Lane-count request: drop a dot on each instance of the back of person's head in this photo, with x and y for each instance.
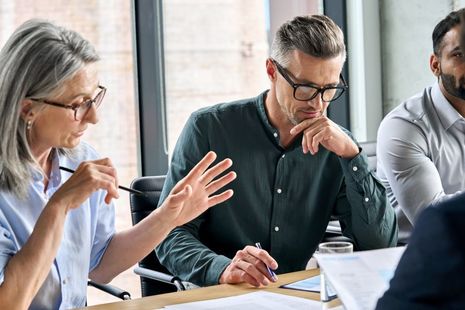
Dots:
(443, 27)
(315, 35)
(35, 62)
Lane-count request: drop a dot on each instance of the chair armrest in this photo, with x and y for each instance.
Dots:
(110, 289)
(334, 233)
(338, 239)
(334, 227)
(160, 276)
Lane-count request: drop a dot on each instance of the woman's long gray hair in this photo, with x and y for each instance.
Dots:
(34, 63)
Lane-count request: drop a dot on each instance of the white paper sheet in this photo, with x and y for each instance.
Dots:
(258, 301)
(360, 278)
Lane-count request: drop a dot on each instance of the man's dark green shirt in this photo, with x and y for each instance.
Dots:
(283, 198)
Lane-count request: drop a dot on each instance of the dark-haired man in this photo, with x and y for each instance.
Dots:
(421, 149)
(296, 168)
(430, 273)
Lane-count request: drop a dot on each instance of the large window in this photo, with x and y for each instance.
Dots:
(108, 27)
(215, 51)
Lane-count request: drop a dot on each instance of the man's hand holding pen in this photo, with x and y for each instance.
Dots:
(250, 265)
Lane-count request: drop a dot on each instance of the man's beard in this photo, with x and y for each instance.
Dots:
(291, 118)
(452, 87)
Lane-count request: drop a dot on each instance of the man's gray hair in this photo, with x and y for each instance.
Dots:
(34, 63)
(315, 35)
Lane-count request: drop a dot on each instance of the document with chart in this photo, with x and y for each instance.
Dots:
(360, 278)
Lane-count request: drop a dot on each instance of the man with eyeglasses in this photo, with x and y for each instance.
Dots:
(296, 168)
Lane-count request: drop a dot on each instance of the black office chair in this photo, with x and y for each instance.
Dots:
(154, 277)
(333, 231)
(110, 289)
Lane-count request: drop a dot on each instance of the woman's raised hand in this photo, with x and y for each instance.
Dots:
(193, 195)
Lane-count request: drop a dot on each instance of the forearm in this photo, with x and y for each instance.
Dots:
(373, 223)
(186, 257)
(128, 247)
(27, 270)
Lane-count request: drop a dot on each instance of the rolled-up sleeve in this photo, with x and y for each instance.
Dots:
(7, 249)
(104, 232)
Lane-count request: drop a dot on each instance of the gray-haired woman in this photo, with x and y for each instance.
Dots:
(56, 228)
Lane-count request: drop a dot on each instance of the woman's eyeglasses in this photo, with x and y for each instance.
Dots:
(80, 109)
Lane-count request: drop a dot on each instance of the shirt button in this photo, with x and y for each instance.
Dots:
(355, 168)
(276, 228)
(284, 155)
(64, 281)
(367, 199)
(279, 191)
(275, 134)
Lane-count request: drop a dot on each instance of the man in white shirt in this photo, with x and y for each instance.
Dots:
(421, 143)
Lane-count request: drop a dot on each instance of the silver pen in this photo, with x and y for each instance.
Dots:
(271, 272)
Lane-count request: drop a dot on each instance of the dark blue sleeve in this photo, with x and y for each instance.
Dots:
(430, 274)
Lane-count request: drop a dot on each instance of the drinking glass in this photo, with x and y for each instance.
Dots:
(327, 292)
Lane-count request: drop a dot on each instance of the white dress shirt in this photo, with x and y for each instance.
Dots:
(421, 154)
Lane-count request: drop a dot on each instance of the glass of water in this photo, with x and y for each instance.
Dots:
(327, 292)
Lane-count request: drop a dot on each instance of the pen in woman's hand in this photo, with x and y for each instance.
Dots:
(271, 272)
(134, 191)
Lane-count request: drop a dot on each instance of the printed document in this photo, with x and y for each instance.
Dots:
(257, 301)
(360, 278)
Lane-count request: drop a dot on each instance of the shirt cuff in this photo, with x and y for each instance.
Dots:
(355, 169)
(217, 266)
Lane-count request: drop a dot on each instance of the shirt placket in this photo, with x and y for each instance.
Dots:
(279, 199)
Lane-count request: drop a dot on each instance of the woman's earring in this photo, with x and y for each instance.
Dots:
(29, 125)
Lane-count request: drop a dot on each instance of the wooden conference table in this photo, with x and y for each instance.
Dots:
(212, 292)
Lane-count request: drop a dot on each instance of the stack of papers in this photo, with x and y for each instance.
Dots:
(360, 278)
(258, 301)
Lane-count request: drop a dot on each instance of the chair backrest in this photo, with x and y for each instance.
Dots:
(369, 148)
(141, 206)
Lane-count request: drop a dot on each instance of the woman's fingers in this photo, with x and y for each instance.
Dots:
(221, 182)
(95, 175)
(202, 165)
(217, 199)
(216, 170)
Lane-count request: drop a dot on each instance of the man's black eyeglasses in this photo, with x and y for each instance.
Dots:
(306, 92)
(80, 109)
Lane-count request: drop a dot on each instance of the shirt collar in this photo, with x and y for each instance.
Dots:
(262, 112)
(273, 132)
(55, 175)
(445, 111)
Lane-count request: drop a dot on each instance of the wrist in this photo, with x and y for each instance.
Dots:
(58, 207)
(351, 151)
(163, 220)
(222, 279)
